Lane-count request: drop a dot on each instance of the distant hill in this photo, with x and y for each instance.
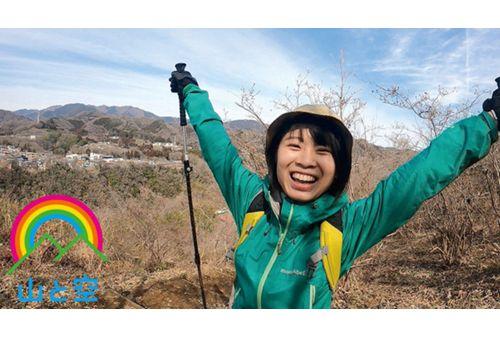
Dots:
(244, 124)
(239, 124)
(7, 116)
(10, 123)
(128, 111)
(171, 120)
(86, 112)
(75, 109)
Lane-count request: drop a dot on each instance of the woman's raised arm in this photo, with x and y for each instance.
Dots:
(396, 198)
(237, 184)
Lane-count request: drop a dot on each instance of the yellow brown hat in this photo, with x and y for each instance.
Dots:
(320, 115)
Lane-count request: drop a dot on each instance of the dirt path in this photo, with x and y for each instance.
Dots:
(168, 289)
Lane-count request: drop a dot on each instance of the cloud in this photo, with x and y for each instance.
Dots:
(136, 63)
(425, 59)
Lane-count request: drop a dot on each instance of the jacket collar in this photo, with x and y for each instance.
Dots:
(305, 215)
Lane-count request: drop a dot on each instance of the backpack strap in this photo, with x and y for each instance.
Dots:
(255, 211)
(330, 240)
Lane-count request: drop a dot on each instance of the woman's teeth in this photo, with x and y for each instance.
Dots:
(303, 178)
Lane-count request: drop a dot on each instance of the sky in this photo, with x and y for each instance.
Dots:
(44, 67)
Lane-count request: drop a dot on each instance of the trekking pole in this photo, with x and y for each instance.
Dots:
(187, 170)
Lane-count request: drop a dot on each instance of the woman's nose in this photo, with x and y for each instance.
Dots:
(307, 157)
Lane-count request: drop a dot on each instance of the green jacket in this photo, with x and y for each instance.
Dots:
(268, 276)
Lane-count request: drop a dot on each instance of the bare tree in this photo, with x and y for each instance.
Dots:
(248, 103)
(252, 148)
(295, 96)
(400, 139)
(433, 115)
(342, 100)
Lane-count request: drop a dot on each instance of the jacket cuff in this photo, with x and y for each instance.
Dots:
(492, 124)
(189, 88)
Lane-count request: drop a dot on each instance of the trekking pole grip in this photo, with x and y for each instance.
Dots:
(180, 67)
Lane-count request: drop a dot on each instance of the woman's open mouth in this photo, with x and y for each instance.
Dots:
(302, 182)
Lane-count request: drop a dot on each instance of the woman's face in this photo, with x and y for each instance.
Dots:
(305, 170)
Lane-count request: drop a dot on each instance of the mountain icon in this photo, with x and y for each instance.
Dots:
(62, 250)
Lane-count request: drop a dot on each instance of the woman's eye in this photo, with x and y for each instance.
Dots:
(323, 151)
(295, 146)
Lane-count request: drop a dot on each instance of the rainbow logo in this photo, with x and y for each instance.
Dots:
(53, 207)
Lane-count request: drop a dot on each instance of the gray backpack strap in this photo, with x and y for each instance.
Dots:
(230, 254)
(313, 261)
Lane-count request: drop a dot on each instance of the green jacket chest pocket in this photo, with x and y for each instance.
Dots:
(258, 244)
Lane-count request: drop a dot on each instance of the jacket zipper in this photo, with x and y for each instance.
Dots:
(277, 251)
(312, 295)
(236, 295)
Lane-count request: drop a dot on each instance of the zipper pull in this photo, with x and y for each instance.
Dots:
(280, 243)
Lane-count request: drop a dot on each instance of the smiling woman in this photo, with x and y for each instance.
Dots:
(305, 171)
(299, 215)
(308, 152)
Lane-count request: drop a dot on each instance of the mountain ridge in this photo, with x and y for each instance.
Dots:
(73, 109)
(77, 110)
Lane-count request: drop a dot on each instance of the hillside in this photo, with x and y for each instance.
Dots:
(11, 123)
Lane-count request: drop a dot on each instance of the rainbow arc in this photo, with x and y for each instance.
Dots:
(53, 207)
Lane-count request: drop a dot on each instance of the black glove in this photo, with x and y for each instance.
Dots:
(180, 79)
(493, 103)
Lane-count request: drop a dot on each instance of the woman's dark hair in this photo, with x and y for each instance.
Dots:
(322, 135)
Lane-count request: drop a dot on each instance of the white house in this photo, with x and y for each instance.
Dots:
(95, 156)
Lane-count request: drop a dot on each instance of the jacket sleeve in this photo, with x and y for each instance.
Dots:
(237, 184)
(396, 198)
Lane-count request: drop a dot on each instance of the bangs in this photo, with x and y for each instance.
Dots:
(320, 135)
